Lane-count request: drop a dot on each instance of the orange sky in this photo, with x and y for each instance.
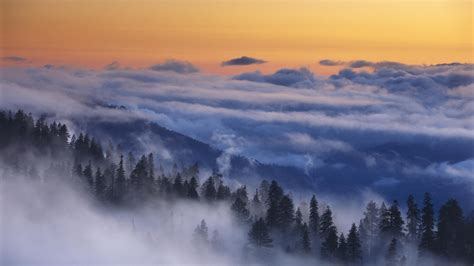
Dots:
(290, 33)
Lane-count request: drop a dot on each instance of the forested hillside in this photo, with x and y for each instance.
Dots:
(44, 152)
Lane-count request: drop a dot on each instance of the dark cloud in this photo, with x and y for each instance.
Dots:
(112, 66)
(428, 83)
(362, 63)
(298, 78)
(16, 59)
(328, 62)
(181, 67)
(243, 61)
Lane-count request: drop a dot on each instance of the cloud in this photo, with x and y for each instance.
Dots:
(243, 61)
(317, 146)
(329, 62)
(428, 84)
(16, 59)
(460, 172)
(298, 78)
(327, 121)
(181, 67)
(363, 63)
(112, 66)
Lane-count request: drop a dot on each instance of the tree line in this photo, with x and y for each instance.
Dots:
(273, 220)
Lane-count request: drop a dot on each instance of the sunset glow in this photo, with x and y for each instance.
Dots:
(207, 32)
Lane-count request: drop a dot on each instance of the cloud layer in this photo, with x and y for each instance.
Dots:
(290, 117)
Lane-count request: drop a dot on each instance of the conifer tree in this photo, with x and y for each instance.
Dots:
(329, 246)
(326, 223)
(201, 233)
(100, 185)
(305, 239)
(223, 192)
(391, 223)
(469, 237)
(88, 174)
(151, 168)
(139, 175)
(298, 219)
(369, 228)
(275, 194)
(209, 189)
(341, 252)
(240, 211)
(314, 217)
(256, 204)
(264, 189)
(120, 184)
(427, 242)
(286, 214)
(413, 219)
(131, 162)
(449, 237)
(391, 257)
(354, 252)
(259, 235)
(192, 192)
(178, 188)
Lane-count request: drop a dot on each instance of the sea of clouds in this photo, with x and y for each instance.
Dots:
(290, 117)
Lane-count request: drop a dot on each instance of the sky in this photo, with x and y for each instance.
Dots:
(139, 33)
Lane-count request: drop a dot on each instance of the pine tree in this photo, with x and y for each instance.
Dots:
(100, 185)
(256, 198)
(88, 174)
(259, 235)
(209, 191)
(449, 237)
(329, 246)
(120, 182)
(427, 243)
(201, 233)
(469, 237)
(305, 240)
(396, 220)
(354, 252)
(391, 223)
(240, 211)
(178, 189)
(314, 217)
(298, 219)
(264, 189)
(223, 192)
(192, 192)
(342, 249)
(326, 223)
(139, 175)
(391, 257)
(369, 228)
(413, 219)
(285, 214)
(256, 204)
(131, 162)
(151, 168)
(275, 194)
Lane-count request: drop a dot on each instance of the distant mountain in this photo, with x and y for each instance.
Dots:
(170, 147)
(395, 170)
(389, 173)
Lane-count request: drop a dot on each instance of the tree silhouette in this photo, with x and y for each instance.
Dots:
(259, 235)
